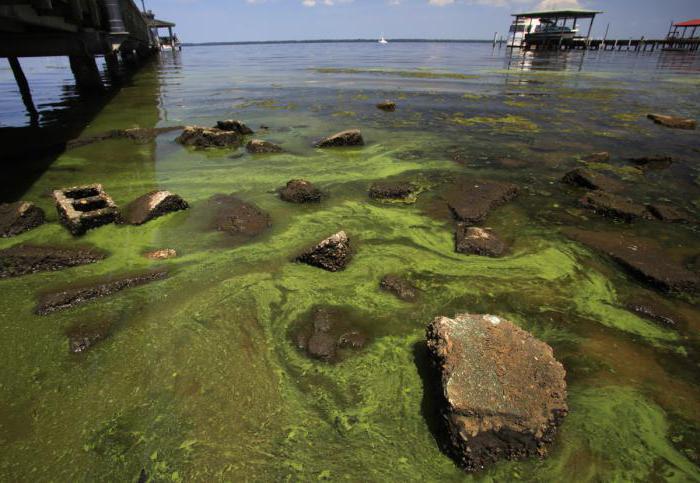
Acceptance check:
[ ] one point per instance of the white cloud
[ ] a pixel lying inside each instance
(327, 3)
(558, 4)
(440, 3)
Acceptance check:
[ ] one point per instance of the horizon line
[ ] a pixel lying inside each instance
(328, 41)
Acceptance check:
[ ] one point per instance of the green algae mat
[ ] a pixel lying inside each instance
(198, 377)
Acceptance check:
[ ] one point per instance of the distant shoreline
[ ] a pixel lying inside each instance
(341, 41)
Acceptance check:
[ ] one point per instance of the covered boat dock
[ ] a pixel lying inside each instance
(556, 29)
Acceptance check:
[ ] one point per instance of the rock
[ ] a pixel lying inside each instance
(601, 157)
(163, 254)
(18, 217)
(351, 137)
(65, 299)
(332, 254)
(589, 179)
(139, 134)
(235, 126)
(478, 241)
(391, 190)
(238, 219)
(388, 106)
(652, 162)
(400, 287)
(152, 205)
(614, 206)
(25, 259)
(82, 208)
(651, 310)
(258, 146)
(503, 392)
(642, 257)
(328, 330)
(673, 121)
(475, 201)
(206, 137)
(82, 337)
(300, 191)
(669, 213)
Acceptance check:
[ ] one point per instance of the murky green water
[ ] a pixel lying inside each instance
(199, 378)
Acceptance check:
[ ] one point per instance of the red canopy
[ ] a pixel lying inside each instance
(688, 23)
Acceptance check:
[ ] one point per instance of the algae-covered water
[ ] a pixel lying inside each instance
(198, 377)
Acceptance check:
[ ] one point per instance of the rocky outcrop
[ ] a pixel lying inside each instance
(258, 146)
(387, 106)
(351, 137)
(82, 208)
(478, 241)
(673, 121)
(300, 191)
(162, 254)
(400, 287)
(207, 137)
(503, 393)
(600, 157)
(592, 180)
(18, 217)
(234, 126)
(614, 206)
(332, 254)
(25, 259)
(327, 334)
(391, 190)
(65, 299)
(237, 218)
(669, 213)
(642, 257)
(474, 201)
(152, 205)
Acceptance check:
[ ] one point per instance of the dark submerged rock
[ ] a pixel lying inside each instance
(351, 137)
(642, 257)
(673, 121)
(669, 213)
(589, 179)
(82, 337)
(235, 126)
(152, 205)
(139, 134)
(25, 259)
(18, 217)
(332, 254)
(388, 106)
(400, 287)
(258, 146)
(474, 201)
(328, 330)
(206, 137)
(652, 310)
(503, 393)
(391, 190)
(65, 299)
(600, 157)
(237, 218)
(300, 191)
(652, 162)
(478, 241)
(82, 208)
(614, 206)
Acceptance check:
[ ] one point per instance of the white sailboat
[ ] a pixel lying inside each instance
(383, 40)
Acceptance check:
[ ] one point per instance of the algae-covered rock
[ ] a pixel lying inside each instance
(207, 137)
(614, 206)
(400, 287)
(152, 205)
(351, 137)
(673, 121)
(237, 218)
(18, 217)
(82, 337)
(589, 179)
(25, 259)
(234, 125)
(162, 254)
(300, 191)
(669, 213)
(327, 333)
(503, 393)
(474, 201)
(332, 254)
(478, 241)
(391, 190)
(258, 146)
(599, 157)
(387, 106)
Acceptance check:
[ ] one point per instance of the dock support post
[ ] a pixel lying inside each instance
(87, 76)
(112, 61)
(24, 89)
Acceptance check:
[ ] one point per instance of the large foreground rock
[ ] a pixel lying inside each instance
(478, 241)
(474, 201)
(642, 257)
(614, 206)
(18, 217)
(503, 392)
(592, 180)
(237, 218)
(332, 254)
(673, 121)
(351, 137)
(25, 259)
(152, 205)
(300, 191)
(208, 137)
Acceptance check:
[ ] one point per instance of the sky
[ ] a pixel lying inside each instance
(256, 20)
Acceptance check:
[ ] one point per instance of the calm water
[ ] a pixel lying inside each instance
(198, 377)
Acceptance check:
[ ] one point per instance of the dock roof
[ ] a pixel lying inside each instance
(688, 23)
(570, 13)
(160, 23)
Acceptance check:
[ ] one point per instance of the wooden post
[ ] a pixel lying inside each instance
(515, 30)
(590, 27)
(24, 89)
(87, 75)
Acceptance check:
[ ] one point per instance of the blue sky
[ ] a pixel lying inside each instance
(243, 20)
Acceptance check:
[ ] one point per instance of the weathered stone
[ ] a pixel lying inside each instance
(18, 217)
(402, 288)
(328, 330)
(25, 259)
(652, 162)
(474, 201)
(388, 106)
(65, 299)
(669, 213)
(82, 208)
(589, 179)
(614, 206)
(258, 146)
(503, 392)
(673, 121)
(478, 241)
(235, 126)
(152, 205)
(391, 190)
(206, 137)
(237, 218)
(601, 157)
(651, 310)
(163, 254)
(351, 137)
(300, 191)
(642, 257)
(332, 254)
